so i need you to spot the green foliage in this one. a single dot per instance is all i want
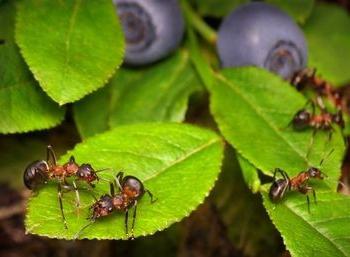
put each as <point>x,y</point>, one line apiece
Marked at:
<point>300,10</point>
<point>156,93</point>
<point>246,104</point>
<point>172,160</point>
<point>217,8</point>
<point>328,35</point>
<point>73,47</point>
<point>23,105</point>
<point>247,101</point>
<point>244,216</point>
<point>323,231</point>
<point>70,51</point>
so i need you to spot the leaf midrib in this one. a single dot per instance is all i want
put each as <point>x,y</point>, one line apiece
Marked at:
<point>258,113</point>
<point>314,228</point>
<point>72,20</point>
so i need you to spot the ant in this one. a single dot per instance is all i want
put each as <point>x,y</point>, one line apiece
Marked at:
<point>2,41</point>
<point>298,183</point>
<point>40,172</point>
<point>131,190</point>
<point>306,78</point>
<point>304,119</point>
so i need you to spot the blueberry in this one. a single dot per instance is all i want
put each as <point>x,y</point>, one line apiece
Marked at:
<point>152,29</point>
<point>260,34</point>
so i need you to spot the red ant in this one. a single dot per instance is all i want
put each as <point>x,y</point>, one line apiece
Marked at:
<point>303,119</point>
<point>130,192</point>
<point>40,172</point>
<point>307,78</point>
<point>298,183</point>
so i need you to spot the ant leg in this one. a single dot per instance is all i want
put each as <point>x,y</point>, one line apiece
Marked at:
<point>50,155</point>
<point>111,189</point>
<point>59,192</point>
<point>126,223</point>
<point>133,221</point>
<point>151,196</point>
<point>308,203</point>
<point>119,179</point>
<point>77,196</point>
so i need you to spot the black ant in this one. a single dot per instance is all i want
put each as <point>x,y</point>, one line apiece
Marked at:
<point>40,172</point>
<point>306,78</point>
<point>298,183</point>
<point>131,190</point>
<point>2,41</point>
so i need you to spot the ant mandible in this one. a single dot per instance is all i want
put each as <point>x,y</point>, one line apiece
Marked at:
<point>306,78</point>
<point>40,172</point>
<point>131,190</point>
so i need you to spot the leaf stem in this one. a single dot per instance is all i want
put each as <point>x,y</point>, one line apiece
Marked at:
<point>198,24</point>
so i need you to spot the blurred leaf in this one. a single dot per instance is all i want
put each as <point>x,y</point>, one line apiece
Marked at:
<point>322,232</point>
<point>253,108</point>
<point>300,10</point>
<point>157,93</point>
<point>328,35</point>
<point>178,163</point>
<point>72,47</point>
<point>23,105</point>
<point>243,213</point>
<point>250,174</point>
<point>216,8</point>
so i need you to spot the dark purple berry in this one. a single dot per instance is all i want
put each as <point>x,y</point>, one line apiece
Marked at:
<point>152,29</point>
<point>260,34</point>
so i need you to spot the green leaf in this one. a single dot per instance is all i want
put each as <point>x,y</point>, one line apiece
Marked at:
<point>323,232</point>
<point>157,93</point>
<point>250,174</point>
<point>328,36</point>
<point>23,105</point>
<point>217,9</point>
<point>243,213</point>
<point>72,47</point>
<point>253,108</point>
<point>300,10</point>
<point>178,163</point>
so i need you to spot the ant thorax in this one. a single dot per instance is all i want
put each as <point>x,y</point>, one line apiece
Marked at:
<point>300,179</point>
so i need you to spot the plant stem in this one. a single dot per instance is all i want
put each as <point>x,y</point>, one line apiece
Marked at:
<point>198,24</point>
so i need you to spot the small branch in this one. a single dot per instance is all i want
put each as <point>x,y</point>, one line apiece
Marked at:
<point>198,24</point>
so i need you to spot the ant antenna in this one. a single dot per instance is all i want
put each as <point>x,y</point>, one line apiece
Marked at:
<point>326,157</point>
<point>77,235</point>
<point>97,171</point>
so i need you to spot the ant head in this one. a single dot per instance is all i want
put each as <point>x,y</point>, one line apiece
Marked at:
<point>133,187</point>
<point>301,119</point>
<point>338,119</point>
<point>103,207</point>
<point>315,173</point>
<point>86,172</point>
<point>36,174</point>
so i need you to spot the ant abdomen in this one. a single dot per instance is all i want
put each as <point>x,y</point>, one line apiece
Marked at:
<point>301,120</point>
<point>278,189</point>
<point>35,174</point>
<point>133,187</point>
